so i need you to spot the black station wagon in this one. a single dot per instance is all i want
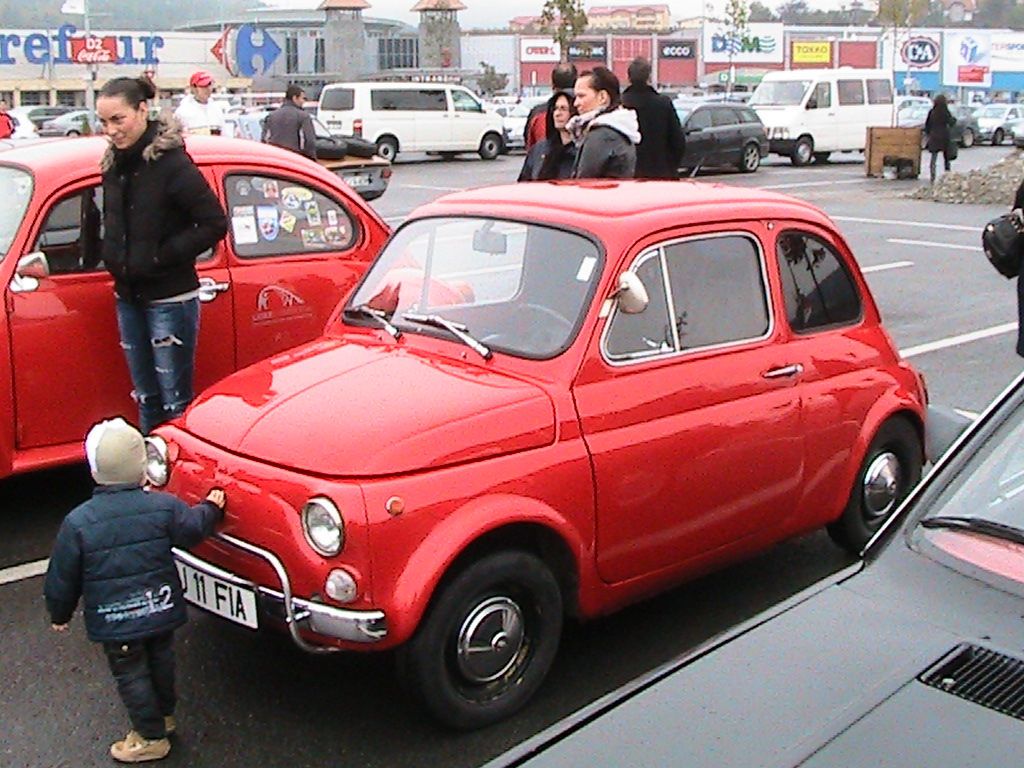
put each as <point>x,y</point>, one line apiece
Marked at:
<point>720,134</point>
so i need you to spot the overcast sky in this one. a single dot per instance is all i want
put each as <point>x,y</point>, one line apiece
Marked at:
<point>496,13</point>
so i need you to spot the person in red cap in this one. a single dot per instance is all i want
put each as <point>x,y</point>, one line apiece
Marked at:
<point>197,112</point>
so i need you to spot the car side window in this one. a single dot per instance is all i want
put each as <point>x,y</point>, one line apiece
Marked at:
<point>718,290</point>
<point>699,120</point>
<point>822,97</point>
<point>723,116</point>
<point>464,102</point>
<point>818,289</point>
<point>647,333</point>
<point>273,216</point>
<point>850,92</point>
<point>72,233</point>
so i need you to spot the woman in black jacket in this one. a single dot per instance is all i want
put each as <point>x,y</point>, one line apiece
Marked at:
<point>159,214</point>
<point>554,157</point>
<point>937,127</point>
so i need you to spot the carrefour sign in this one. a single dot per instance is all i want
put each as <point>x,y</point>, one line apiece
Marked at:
<point>65,47</point>
<point>757,44</point>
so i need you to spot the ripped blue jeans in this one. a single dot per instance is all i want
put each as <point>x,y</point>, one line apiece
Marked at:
<point>159,342</point>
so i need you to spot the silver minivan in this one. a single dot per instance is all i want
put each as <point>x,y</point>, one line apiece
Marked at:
<point>442,118</point>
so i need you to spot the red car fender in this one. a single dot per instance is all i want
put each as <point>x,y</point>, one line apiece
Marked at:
<point>435,556</point>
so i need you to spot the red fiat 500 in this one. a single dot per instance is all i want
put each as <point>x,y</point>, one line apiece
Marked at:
<point>299,240</point>
<point>547,400</point>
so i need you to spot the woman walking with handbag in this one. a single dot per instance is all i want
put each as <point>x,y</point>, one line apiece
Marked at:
<point>938,128</point>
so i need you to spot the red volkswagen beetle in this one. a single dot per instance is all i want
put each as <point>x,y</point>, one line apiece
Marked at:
<point>299,240</point>
<point>547,401</point>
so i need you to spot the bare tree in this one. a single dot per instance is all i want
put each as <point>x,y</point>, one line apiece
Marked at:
<point>737,26</point>
<point>564,20</point>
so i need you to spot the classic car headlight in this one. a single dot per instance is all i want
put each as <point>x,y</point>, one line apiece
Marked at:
<point>323,526</point>
<point>157,464</point>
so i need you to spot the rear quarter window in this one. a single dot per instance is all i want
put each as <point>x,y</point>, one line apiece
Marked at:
<point>338,99</point>
<point>819,291</point>
<point>748,115</point>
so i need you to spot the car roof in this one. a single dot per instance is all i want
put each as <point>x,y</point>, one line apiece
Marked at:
<point>638,204</point>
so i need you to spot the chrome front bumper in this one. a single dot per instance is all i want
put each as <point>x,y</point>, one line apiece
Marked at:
<point>295,612</point>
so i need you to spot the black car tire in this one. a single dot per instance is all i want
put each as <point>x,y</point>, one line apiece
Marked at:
<point>750,158</point>
<point>822,157</point>
<point>490,146</point>
<point>331,149</point>
<point>895,456</point>
<point>967,138</point>
<point>73,132</point>
<point>803,151</point>
<point>359,147</point>
<point>997,137</point>
<point>508,602</point>
<point>387,147</point>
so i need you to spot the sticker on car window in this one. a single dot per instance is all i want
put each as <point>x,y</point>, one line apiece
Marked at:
<point>243,228</point>
<point>313,237</point>
<point>287,221</point>
<point>266,217</point>
<point>270,189</point>
<point>312,213</point>
<point>586,269</point>
<point>292,197</point>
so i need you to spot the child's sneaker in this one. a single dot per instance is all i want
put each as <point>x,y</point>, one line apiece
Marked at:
<point>169,724</point>
<point>135,749</point>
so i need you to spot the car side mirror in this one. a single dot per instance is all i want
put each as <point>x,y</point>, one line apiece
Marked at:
<point>33,265</point>
<point>486,241</point>
<point>812,104</point>
<point>631,294</point>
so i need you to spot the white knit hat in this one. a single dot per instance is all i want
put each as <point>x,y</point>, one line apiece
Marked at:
<point>116,453</point>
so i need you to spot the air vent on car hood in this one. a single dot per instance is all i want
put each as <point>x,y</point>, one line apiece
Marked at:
<point>983,676</point>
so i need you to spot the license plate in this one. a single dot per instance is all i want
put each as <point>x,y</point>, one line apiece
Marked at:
<point>219,596</point>
<point>358,180</point>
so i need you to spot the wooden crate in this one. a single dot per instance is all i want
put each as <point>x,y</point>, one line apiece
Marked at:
<point>904,143</point>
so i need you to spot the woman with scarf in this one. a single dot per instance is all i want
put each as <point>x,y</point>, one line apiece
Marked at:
<point>159,214</point>
<point>555,156</point>
<point>606,132</point>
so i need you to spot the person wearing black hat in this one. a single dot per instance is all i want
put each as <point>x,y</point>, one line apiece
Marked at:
<point>113,553</point>
<point>661,149</point>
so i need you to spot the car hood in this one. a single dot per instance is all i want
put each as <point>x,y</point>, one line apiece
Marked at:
<point>346,409</point>
<point>832,681</point>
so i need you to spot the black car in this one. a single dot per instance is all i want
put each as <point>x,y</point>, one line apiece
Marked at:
<point>912,657</point>
<point>964,133</point>
<point>722,134</point>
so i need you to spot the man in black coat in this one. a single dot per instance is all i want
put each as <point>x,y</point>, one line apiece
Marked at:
<point>290,126</point>
<point>662,143</point>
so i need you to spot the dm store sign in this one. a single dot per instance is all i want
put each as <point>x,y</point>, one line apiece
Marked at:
<point>757,44</point>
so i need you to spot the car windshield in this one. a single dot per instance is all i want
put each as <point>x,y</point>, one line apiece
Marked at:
<point>16,192</point>
<point>683,112</point>
<point>514,287</point>
<point>786,93</point>
<point>993,111</point>
<point>987,495</point>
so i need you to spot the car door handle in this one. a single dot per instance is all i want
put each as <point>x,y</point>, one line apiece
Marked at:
<point>787,370</point>
<point>209,288</point>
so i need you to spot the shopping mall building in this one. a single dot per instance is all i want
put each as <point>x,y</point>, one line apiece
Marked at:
<point>265,51</point>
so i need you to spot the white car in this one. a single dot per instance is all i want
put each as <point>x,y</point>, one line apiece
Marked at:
<point>993,121</point>
<point>23,127</point>
<point>515,121</point>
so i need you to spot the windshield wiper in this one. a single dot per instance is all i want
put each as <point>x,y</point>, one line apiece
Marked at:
<point>977,525</point>
<point>460,331</point>
<point>364,310</point>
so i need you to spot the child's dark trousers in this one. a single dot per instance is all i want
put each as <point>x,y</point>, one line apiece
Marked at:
<point>144,671</point>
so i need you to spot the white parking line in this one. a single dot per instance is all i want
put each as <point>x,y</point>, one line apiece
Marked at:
<point>890,265</point>
<point>23,571</point>
<point>934,244</point>
<point>963,338</point>
<point>797,184</point>
<point>901,223</point>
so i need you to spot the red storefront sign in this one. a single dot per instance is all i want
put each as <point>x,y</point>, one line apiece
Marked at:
<point>93,50</point>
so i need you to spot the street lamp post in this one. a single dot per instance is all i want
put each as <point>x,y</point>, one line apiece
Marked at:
<point>81,7</point>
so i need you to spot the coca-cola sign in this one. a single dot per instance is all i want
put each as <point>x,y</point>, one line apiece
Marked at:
<point>93,50</point>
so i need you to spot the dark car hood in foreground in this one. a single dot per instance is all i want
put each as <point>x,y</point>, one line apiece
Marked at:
<point>348,409</point>
<point>831,681</point>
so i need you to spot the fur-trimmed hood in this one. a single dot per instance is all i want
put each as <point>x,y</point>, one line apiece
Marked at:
<point>168,136</point>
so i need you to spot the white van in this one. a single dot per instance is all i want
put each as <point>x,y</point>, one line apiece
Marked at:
<point>809,113</point>
<point>412,117</point>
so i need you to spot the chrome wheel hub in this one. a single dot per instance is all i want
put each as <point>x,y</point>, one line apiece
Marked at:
<point>881,485</point>
<point>490,639</point>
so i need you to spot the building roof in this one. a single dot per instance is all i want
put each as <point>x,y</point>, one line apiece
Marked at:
<point>343,5</point>
<point>607,10</point>
<point>438,5</point>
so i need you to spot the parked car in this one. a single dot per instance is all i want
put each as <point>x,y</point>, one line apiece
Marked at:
<point>37,115</point>
<point>547,400</point>
<point>993,120</point>
<point>722,134</point>
<point>514,121</point>
<point>964,132</point>
<point>24,128</point>
<point>79,122</point>
<point>298,241</point>
<point>352,158</point>
<point>911,657</point>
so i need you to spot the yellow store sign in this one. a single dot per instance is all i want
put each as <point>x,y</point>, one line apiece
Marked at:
<point>812,53</point>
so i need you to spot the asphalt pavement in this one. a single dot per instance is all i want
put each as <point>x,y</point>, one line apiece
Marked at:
<point>254,700</point>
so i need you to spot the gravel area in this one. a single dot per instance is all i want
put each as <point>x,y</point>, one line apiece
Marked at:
<point>994,184</point>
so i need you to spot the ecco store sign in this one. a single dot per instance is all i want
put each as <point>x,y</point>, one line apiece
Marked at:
<point>65,47</point>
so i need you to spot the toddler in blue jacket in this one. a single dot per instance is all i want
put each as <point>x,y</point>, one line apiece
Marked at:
<point>114,553</point>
